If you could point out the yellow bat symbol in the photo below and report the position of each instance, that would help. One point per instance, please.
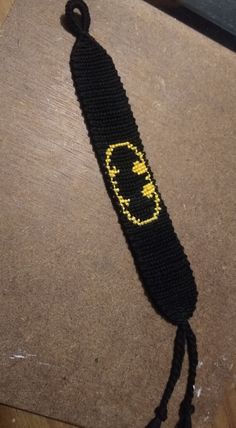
(132, 183)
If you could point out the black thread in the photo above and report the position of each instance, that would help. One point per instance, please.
(186, 407)
(78, 25)
(178, 356)
(158, 254)
(184, 335)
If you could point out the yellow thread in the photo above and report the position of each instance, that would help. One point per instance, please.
(139, 167)
(124, 201)
(113, 172)
(148, 190)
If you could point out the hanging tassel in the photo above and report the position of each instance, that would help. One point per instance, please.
(178, 356)
(184, 334)
(186, 408)
(185, 420)
(155, 423)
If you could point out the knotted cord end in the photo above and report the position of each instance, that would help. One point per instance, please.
(184, 335)
(155, 423)
(185, 419)
(161, 416)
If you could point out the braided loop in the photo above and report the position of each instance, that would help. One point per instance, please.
(77, 24)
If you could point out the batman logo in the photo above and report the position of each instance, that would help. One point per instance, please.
(132, 183)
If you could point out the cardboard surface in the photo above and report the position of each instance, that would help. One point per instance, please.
(79, 340)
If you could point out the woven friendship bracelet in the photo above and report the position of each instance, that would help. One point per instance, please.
(158, 255)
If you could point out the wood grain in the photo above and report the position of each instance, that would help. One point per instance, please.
(5, 6)
(45, 208)
(226, 414)
(15, 418)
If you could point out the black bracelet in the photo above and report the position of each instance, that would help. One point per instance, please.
(159, 257)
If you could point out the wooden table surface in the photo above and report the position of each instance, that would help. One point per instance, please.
(14, 418)
(10, 417)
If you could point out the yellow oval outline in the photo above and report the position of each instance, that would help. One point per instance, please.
(113, 171)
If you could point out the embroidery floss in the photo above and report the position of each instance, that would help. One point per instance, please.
(159, 257)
